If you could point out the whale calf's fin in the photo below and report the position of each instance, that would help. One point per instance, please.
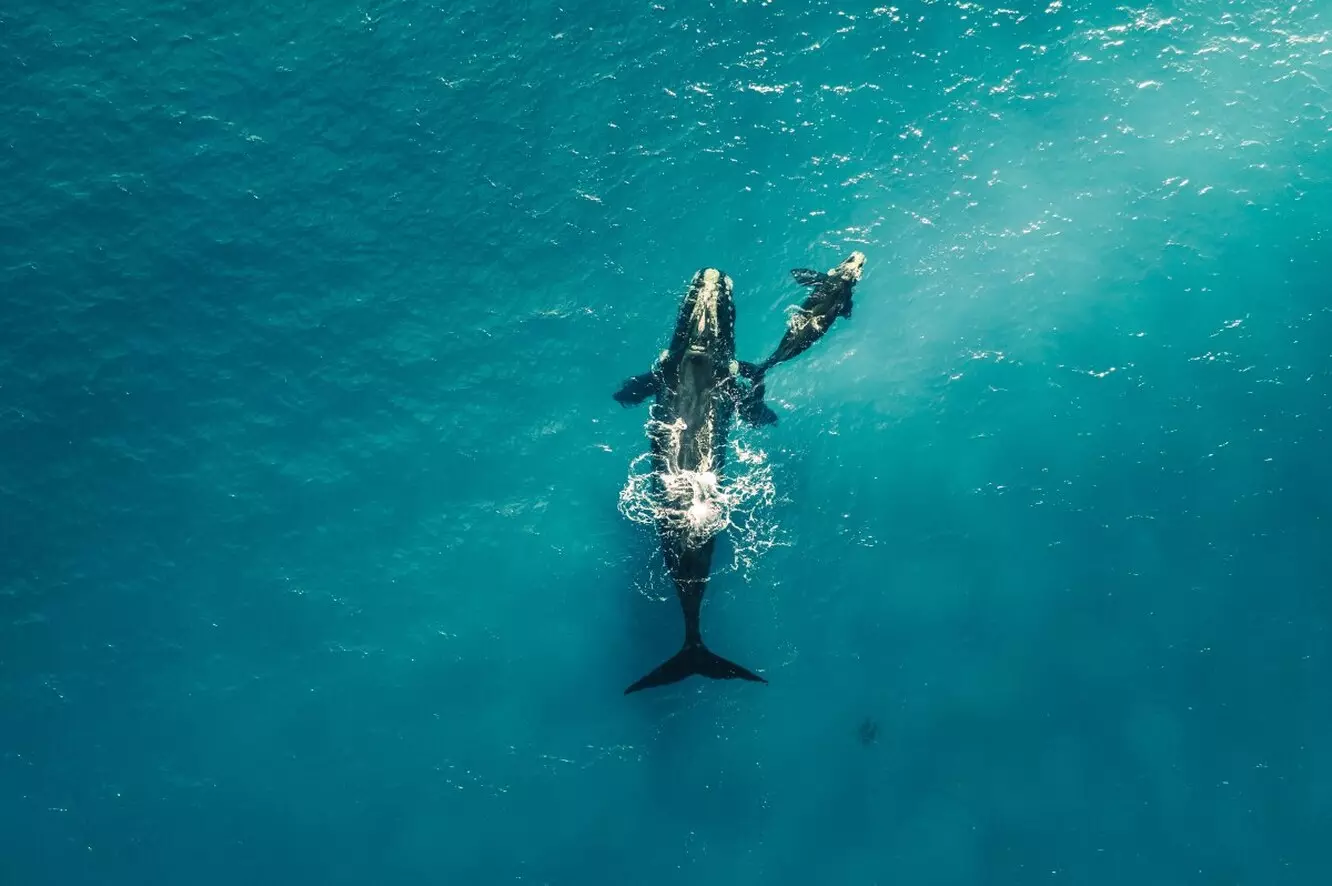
(694, 658)
(808, 277)
(637, 389)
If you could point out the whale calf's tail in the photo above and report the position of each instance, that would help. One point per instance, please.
(753, 408)
(694, 658)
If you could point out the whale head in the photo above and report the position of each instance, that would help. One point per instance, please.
(706, 324)
(850, 269)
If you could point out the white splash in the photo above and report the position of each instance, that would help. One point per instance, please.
(701, 505)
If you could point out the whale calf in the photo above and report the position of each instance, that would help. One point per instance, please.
(698, 388)
(829, 298)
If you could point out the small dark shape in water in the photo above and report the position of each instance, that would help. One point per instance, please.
(869, 731)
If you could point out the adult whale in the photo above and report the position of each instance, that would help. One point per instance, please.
(698, 389)
(829, 298)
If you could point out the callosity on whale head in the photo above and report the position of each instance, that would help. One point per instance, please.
(851, 269)
(706, 324)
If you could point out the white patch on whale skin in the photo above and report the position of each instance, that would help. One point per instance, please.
(705, 302)
(851, 269)
(799, 318)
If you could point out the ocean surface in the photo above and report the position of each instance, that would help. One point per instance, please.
(316, 554)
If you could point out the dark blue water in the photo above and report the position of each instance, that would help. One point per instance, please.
(313, 562)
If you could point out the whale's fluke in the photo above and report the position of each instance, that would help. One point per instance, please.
(694, 658)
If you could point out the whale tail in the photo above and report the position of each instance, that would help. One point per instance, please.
(755, 371)
(694, 658)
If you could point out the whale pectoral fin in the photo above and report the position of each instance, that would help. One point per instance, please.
(808, 277)
(753, 410)
(637, 389)
(757, 413)
(846, 309)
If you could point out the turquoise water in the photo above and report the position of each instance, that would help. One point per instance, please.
(314, 566)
